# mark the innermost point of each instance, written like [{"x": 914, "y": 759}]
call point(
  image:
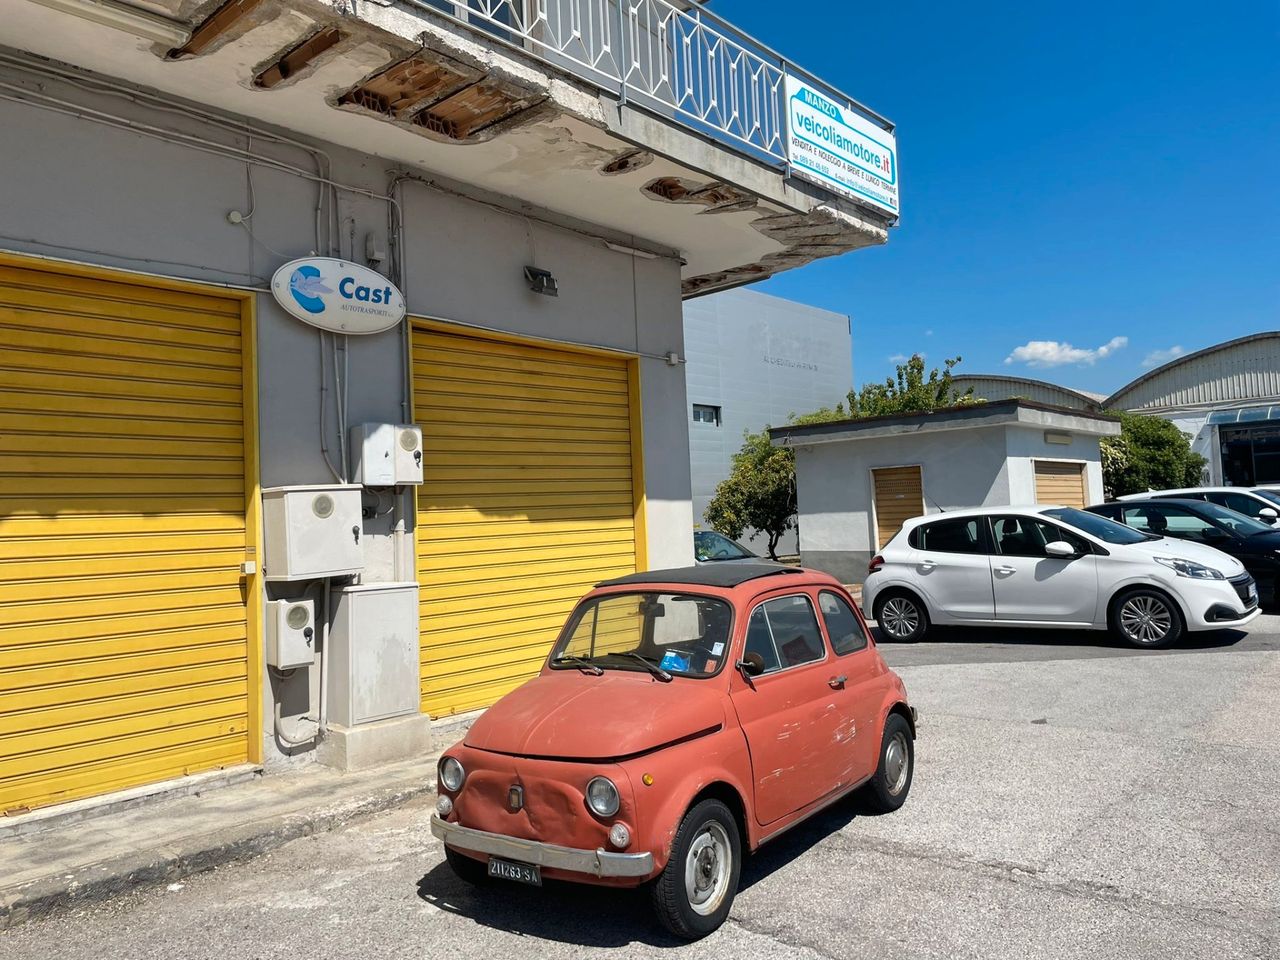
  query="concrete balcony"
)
[{"x": 658, "y": 122}]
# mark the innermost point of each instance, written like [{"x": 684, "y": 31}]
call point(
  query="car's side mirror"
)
[
  {"x": 1059, "y": 548},
  {"x": 1268, "y": 513},
  {"x": 751, "y": 664}
]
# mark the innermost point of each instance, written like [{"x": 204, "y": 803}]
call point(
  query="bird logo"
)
[{"x": 307, "y": 288}]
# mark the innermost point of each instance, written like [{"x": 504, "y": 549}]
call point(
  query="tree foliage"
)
[
  {"x": 1150, "y": 454},
  {"x": 760, "y": 492}
]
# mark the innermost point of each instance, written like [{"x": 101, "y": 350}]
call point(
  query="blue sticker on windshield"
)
[{"x": 673, "y": 661}]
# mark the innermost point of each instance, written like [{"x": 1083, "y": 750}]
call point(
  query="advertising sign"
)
[
  {"x": 832, "y": 146},
  {"x": 338, "y": 295}
]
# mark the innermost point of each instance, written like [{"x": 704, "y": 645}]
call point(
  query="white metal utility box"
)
[
  {"x": 312, "y": 532},
  {"x": 291, "y": 633},
  {"x": 386, "y": 454},
  {"x": 373, "y": 652}
]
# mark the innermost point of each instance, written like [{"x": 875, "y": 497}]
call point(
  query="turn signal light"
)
[{"x": 876, "y": 563}]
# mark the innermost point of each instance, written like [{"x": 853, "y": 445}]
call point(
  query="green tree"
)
[
  {"x": 760, "y": 491},
  {"x": 1150, "y": 454}
]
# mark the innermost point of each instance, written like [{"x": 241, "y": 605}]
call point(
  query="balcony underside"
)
[{"x": 422, "y": 92}]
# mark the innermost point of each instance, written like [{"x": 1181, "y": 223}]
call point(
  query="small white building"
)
[{"x": 859, "y": 480}]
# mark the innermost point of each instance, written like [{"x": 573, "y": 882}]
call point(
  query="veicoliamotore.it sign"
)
[
  {"x": 832, "y": 146},
  {"x": 338, "y": 295}
]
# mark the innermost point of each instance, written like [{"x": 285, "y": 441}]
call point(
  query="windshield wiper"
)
[
  {"x": 583, "y": 663},
  {"x": 649, "y": 665}
]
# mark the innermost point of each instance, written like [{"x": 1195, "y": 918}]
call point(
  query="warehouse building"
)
[
  {"x": 342, "y": 351},
  {"x": 753, "y": 361}
]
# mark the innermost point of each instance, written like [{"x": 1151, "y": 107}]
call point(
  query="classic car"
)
[{"x": 683, "y": 718}]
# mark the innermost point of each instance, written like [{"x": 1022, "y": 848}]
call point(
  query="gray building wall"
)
[
  {"x": 760, "y": 359},
  {"x": 999, "y": 387},
  {"x": 97, "y": 194}
]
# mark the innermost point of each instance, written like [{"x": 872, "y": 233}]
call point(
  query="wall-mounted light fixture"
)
[{"x": 541, "y": 281}]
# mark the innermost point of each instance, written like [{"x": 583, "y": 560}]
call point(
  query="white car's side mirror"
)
[
  {"x": 1268, "y": 513},
  {"x": 1059, "y": 548}
]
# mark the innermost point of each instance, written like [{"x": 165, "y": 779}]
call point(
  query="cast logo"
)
[{"x": 308, "y": 289}]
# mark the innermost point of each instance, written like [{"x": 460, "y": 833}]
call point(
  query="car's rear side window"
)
[
  {"x": 961, "y": 535},
  {"x": 843, "y": 627}
]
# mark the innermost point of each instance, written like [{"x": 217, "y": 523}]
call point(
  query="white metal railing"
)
[{"x": 677, "y": 59}]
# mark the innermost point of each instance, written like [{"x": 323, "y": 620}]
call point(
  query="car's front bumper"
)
[
  {"x": 1215, "y": 604},
  {"x": 596, "y": 863}
]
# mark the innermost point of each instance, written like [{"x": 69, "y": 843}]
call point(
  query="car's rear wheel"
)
[
  {"x": 902, "y": 616},
  {"x": 1146, "y": 618},
  {"x": 472, "y": 871},
  {"x": 694, "y": 893},
  {"x": 887, "y": 790}
]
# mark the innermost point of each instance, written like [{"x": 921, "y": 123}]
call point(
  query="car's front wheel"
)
[
  {"x": 693, "y": 894},
  {"x": 902, "y": 616},
  {"x": 1146, "y": 618}
]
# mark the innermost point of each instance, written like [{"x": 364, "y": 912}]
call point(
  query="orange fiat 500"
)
[{"x": 683, "y": 718}]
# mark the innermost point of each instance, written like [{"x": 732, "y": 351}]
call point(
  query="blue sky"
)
[{"x": 1095, "y": 175}]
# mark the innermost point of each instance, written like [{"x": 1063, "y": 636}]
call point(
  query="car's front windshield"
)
[
  {"x": 708, "y": 547},
  {"x": 1105, "y": 530},
  {"x": 1237, "y": 523},
  {"x": 676, "y": 633}
]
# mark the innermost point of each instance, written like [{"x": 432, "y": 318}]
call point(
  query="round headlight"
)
[
  {"x": 602, "y": 797},
  {"x": 451, "y": 774}
]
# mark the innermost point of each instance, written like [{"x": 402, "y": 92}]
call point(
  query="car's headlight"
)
[
  {"x": 1188, "y": 568},
  {"x": 452, "y": 774},
  {"x": 602, "y": 797}
]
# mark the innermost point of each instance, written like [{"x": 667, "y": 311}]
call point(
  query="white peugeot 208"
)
[{"x": 1044, "y": 566}]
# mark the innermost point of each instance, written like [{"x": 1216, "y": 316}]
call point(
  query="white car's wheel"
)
[
  {"x": 902, "y": 616},
  {"x": 1146, "y": 618}
]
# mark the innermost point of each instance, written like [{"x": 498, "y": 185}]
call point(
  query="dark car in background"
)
[
  {"x": 712, "y": 547},
  {"x": 1254, "y": 543}
]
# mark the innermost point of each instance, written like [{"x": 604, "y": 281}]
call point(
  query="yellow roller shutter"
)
[
  {"x": 899, "y": 496},
  {"x": 528, "y": 499},
  {"x": 123, "y": 630},
  {"x": 1060, "y": 482}
]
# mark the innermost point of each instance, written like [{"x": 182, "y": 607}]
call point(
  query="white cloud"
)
[
  {"x": 1158, "y": 358},
  {"x": 1055, "y": 353},
  {"x": 899, "y": 358},
  {"x": 928, "y": 333}
]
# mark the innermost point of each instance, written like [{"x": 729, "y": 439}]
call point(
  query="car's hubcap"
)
[
  {"x": 899, "y": 617},
  {"x": 707, "y": 869},
  {"x": 897, "y": 763},
  {"x": 1145, "y": 619}
]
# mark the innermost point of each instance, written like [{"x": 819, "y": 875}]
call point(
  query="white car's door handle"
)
[
  {"x": 927, "y": 565},
  {"x": 1006, "y": 570}
]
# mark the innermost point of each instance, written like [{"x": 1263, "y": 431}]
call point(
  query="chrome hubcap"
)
[
  {"x": 897, "y": 763},
  {"x": 707, "y": 869},
  {"x": 1145, "y": 619},
  {"x": 899, "y": 617}
]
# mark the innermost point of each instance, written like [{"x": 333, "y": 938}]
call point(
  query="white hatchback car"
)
[{"x": 1044, "y": 566}]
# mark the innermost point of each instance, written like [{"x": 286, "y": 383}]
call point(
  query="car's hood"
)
[
  {"x": 1195, "y": 552},
  {"x": 568, "y": 714},
  {"x": 1263, "y": 542}
]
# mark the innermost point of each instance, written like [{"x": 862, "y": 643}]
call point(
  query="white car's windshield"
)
[
  {"x": 1235, "y": 522},
  {"x": 676, "y": 634},
  {"x": 1105, "y": 530}
]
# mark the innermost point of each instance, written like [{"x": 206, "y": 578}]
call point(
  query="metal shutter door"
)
[
  {"x": 527, "y": 501},
  {"x": 899, "y": 497},
  {"x": 1061, "y": 483},
  {"x": 123, "y": 634}
]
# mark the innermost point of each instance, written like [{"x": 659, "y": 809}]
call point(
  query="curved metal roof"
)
[
  {"x": 1048, "y": 391},
  {"x": 1250, "y": 375}
]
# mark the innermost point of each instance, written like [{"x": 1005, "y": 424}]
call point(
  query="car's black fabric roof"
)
[{"x": 708, "y": 575}]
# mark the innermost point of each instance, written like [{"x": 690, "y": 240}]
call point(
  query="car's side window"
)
[
  {"x": 961, "y": 535},
  {"x": 785, "y": 633},
  {"x": 1235, "y": 501},
  {"x": 1183, "y": 524},
  {"x": 843, "y": 626},
  {"x": 1027, "y": 537}
]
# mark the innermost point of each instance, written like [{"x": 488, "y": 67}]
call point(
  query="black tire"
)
[
  {"x": 706, "y": 833},
  {"x": 1146, "y": 618},
  {"x": 888, "y": 789},
  {"x": 908, "y": 618},
  {"x": 471, "y": 871}
]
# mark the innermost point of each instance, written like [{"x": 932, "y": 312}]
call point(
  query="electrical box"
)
[
  {"x": 291, "y": 633},
  {"x": 386, "y": 454},
  {"x": 374, "y": 651},
  {"x": 312, "y": 532}
]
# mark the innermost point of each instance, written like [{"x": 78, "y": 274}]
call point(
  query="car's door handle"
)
[
  {"x": 1006, "y": 570},
  {"x": 927, "y": 565},
  {"x": 835, "y": 683}
]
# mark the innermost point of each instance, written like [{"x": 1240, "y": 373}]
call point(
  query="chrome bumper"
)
[{"x": 597, "y": 863}]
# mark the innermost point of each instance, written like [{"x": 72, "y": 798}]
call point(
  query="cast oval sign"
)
[{"x": 338, "y": 295}]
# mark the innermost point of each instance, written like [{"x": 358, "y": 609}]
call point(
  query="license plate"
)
[{"x": 519, "y": 872}]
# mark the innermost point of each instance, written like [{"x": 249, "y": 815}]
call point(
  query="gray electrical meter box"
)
[
  {"x": 291, "y": 633},
  {"x": 312, "y": 531},
  {"x": 373, "y": 648},
  {"x": 386, "y": 454}
]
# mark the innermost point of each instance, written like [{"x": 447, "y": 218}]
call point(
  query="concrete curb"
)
[{"x": 100, "y": 881}]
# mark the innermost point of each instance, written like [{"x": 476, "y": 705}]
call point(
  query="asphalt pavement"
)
[{"x": 1072, "y": 798}]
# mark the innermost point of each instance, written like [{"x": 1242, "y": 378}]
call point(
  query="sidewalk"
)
[{"x": 63, "y": 864}]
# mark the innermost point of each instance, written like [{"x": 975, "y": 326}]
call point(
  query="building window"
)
[{"x": 705, "y": 413}]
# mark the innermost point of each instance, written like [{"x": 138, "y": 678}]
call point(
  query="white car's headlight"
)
[
  {"x": 1189, "y": 568},
  {"x": 451, "y": 774},
  {"x": 602, "y": 797}
]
